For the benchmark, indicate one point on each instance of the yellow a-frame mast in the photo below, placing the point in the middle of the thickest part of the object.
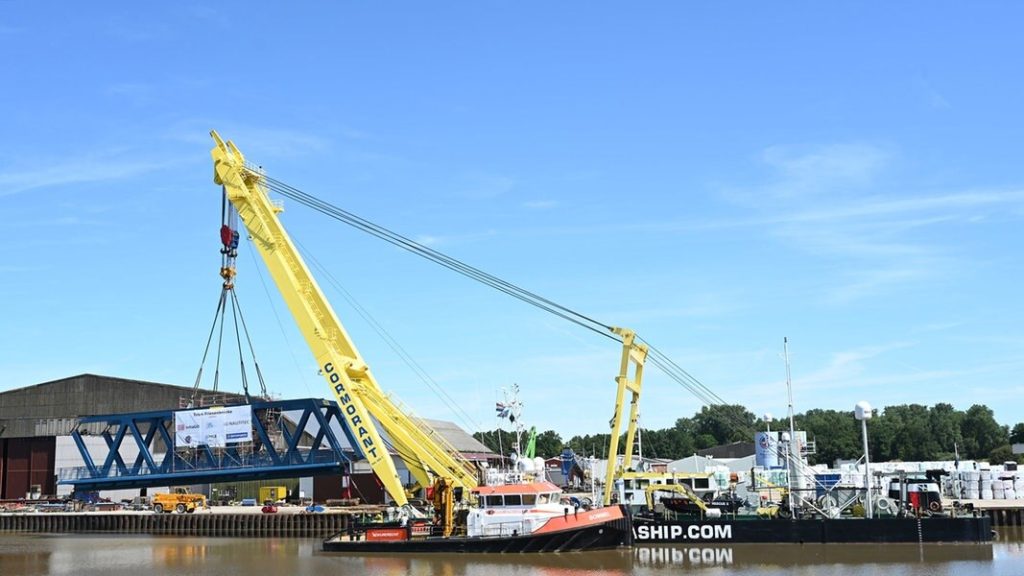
(632, 354)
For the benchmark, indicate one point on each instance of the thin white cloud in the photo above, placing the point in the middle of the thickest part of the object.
(702, 306)
(267, 143)
(793, 222)
(540, 204)
(848, 364)
(832, 163)
(865, 282)
(450, 240)
(936, 327)
(481, 186)
(932, 97)
(136, 93)
(10, 269)
(87, 169)
(210, 14)
(258, 144)
(874, 207)
(830, 202)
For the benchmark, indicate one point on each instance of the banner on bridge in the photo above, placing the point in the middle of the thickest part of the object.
(213, 427)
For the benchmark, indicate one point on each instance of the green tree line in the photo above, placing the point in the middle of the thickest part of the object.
(908, 432)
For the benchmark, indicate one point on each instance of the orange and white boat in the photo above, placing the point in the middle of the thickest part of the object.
(512, 516)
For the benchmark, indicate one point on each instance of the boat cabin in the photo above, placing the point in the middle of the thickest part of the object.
(514, 508)
(517, 495)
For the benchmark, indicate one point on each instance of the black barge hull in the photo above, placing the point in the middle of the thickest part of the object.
(807, 531)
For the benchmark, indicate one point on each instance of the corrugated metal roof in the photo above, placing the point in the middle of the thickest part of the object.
(457, 437)
(44, 409)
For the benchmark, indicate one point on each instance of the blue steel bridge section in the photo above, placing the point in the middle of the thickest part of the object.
(258, 460)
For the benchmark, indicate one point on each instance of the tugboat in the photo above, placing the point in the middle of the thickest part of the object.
(511, 512)
(514, 511)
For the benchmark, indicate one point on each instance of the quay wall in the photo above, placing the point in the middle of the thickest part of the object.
(237, 525)
(1005, 516)
(248, 525)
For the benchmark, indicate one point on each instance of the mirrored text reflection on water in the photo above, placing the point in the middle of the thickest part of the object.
(39, 555)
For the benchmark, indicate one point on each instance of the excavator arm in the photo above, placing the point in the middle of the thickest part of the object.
(356, 391)
(680, 488)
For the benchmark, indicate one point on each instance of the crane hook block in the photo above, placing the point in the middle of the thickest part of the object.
(228, 237)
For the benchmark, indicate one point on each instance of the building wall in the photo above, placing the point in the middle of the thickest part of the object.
(27, 462)
(36, 422)
(363, 486)
(67, 457)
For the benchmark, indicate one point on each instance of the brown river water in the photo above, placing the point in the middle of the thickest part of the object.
(82, 555)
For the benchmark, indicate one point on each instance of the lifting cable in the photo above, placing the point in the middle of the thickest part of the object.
(395, 346)
(229, 252)
(655, 356)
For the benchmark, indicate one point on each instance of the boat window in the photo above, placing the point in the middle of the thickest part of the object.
(529, 499)
(701, 483)
(513, 500)
(493, 501)
(542, 498)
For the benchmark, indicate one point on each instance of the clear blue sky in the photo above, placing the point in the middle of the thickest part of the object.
(715, 176)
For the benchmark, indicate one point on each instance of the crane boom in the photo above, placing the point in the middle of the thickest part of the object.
(355, 389)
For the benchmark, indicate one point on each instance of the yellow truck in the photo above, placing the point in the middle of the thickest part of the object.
(179, 500)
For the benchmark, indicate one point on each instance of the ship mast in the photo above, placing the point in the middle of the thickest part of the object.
(794, 448)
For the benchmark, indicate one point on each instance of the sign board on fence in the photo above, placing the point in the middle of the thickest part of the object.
(213, 427)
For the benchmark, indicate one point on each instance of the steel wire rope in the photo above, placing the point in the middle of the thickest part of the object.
(395, 346)
(252, 350)
(706, 395)
(241, 356)
(672, 370)
(438, 257)
(402, 241)
(206, 350)
(220, 344)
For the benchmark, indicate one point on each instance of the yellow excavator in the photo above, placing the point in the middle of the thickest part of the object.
(680, 489)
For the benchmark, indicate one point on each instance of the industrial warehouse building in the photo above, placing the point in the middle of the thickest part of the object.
(36, 424)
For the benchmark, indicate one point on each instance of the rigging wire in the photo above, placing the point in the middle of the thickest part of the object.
(241, 357)
(437, 257)
(206, 350)
(655, 356)
(252, 350)
(229, 252)
(392, 343)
